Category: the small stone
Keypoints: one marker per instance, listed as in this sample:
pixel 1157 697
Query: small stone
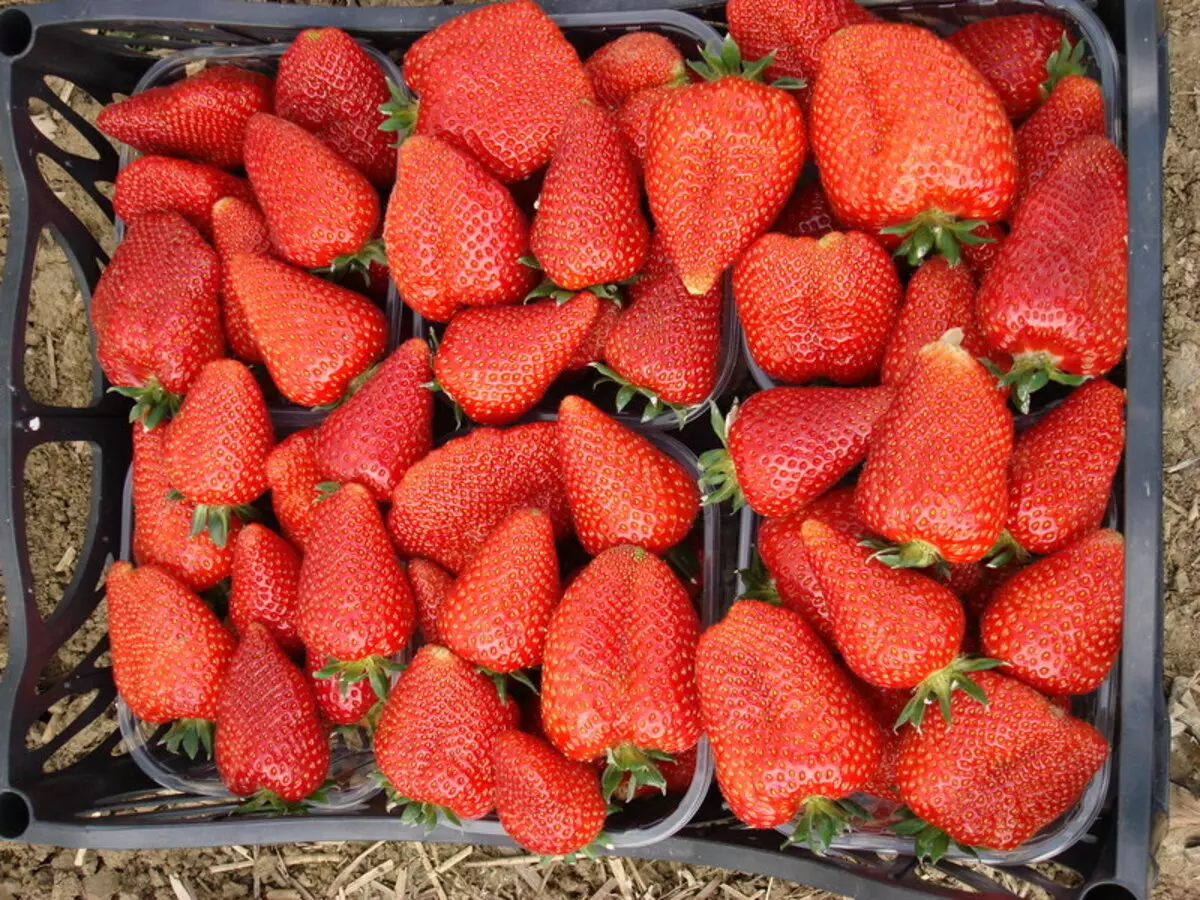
pixel 63 861
pixel 231 890
pixel 102 885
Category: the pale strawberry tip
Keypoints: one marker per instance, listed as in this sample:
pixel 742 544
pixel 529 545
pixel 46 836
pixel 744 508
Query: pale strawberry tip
pixel 188 736
pixel 941 684
pixel 823 820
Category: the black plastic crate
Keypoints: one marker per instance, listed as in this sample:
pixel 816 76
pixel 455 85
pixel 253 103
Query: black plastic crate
pixel 106 802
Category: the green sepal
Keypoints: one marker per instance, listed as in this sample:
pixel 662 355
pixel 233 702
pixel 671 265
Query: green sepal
pixel 718 476
pixel 455 407
pixel 548 288
pixel 216 520
pixel 627 390
pixel 638 764
pixel 500 679
pixel 722 58
pixel 914 554
pixel 376 669
pixel 269 803
pixel 1067 60
pixel 930 843
pixel 1030 373
pixel 592 851
pixel 934 229
pixel 152 403
pixel 789 83
pixel 357 262
pixel 326 489
pixel 822 820
pixel 758 583
pixel 530 261
pixel 414 812
pixel 188 736
pixel 1006 550
pixel 684 561
pixel 400 113
pixel 938 687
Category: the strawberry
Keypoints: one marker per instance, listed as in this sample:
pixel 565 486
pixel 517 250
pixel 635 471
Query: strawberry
pixel 618 685
pixel 807 213
pixel 430 585
pixel 355 607
pixel 817 308
pixel 340 703
pixel 1055 299
pixel 979 257
pixel 447 504
pixel 633 62
pixel 1057 622
pixel 498 363
pixel 320 209
pixel 454 235
pixel 435 738
pixel 314 336
pixel 1075 108
pixel 238 226
pixel 547 803
pixel 163 183
pixel 783 745
pixel 591 348
pixel 622 489
pixel 1011 53
pixel 169 652
pixel 157 325
pixel 589 228
pixel 887 705
pixel 910 139
pixel 263 584
pixel 498 83
pixel 787 446
pixel 331 87
pixel 293 476
pixel 935 480
pixel 1000 774
pixel 203 117
pixel 636 115
pixel 384 427
pixel 270 740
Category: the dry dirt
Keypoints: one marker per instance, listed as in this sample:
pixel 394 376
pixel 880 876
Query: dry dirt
pixel 57 482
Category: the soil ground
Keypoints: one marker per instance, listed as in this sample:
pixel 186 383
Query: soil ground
pixel 57 481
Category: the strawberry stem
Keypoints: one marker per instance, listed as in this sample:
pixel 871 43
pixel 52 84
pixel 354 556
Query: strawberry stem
pixel 758 583
pixel 188 736
pixel 1006 550
pixel 400 112
pixel 357 262
pixel 1030 373
pixel 941 684
pixel 592 850
pixel 718 476
pixel 1066 60
pixel 934 229
pixel 822 820
pixel 914 554
pixel 216 519
pixel 723 59
pixel 627 390
pixel 152 403
pixel 376 669
pixel 640 766
pixel 929 842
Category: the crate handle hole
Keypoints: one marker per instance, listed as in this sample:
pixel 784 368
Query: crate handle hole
pixel 16 32
pixel 1108 890
pixel 15 814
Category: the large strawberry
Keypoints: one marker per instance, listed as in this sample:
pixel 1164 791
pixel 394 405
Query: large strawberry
pixel 238 226
pixel 156 324
pixel 1056 297
pixel 430 586
pixel 203 117
pixel 446 505
pixel 807 212
pixel 935 480
pixel 722 158
pixel 622 489
pixel 817 307
pixel 498 363
pixel 340 703
pixel 263 585
pixel 784 745
pixel 633 62
pixel 294 476
pixel 164 183
pixel 910 138
pixel 1075 108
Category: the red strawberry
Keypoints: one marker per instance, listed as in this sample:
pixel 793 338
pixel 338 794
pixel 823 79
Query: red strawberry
pixel 817 308
pixel 887 705
pixel 315 337
pixel 157 325
pixel 330 86
pixel 979 257
pixel 1056 297
pixel 636 115
pixel 435 737
pixel 340 703
pixel 622 489
pixel 783 745
pixel 238 226
pixel 293 476
pixel 263 584
pixel 497 82
pixel 910 138
pixel 498 363
pixel 807 213
pixel 591 348
pixel 935 480
pixel 430 585
pixel 319 208
pixel 447 504
pixel 1057 622
pixel 454 235
pixel 203 117
pixel 1001 772
pixel 1011 53
pixel 177 185
pixel 384 427
pixel 1062 468
pixel 730 144
pixel 270 740
pixel 787 446
pixel 633 62
pixel 547 803
pixel 1075 108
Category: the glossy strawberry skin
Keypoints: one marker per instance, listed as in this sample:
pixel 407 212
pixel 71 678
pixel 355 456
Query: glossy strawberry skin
pixel 1074 109
pixel 807 213
pixel 636 115
pixel 979 258
pixel 238 226
pixel 817 308
pixel 778 740
pixel 169 650
pixel 631 63
pixel 1011 53
pixel 178 185
pixel 203 117
pixel 336 707
pixel 263 584
pixel 430 585
pixel 591 348
pixel 293 476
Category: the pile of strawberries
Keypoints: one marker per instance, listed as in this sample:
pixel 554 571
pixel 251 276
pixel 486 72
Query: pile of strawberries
pixel 929 590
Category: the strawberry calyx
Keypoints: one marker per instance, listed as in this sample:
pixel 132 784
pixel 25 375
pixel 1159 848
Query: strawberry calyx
pixel 592 850
pixel 941 684
pixel 152 403
pixel 188 736
pixel 1068 59
pixel 718 477
pixel 627 390
pixel 638 764
pixel 358 262
pixel 822 820
pixel 267 802
pixel 1006 550
pixel 215 518
pixel 375 668
pixel 723 59
pixel 930 843
pixel 758 583
pixel 1030 373
pixel 400 112
pixel 914 554
pixel 455 407
pixel 610 290
pixel 936 230
pixel 500 679
pixel 415 812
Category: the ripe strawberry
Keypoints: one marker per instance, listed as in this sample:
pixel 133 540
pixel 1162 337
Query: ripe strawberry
pixel 355 607
pixel 498 363
pixel 910 139
pixel 633 62
pixel 293 476
pixel 331 87
pixel 454 235
pixel 1011 53
pixel 591 348
pixel 887 705
pixel 935 480
pixel 314 336
pixel 263 584
pixel 636 115
pixel 270 740
pixel 169 652
pixel 175 185
pixel 1001 773
pixel 157 325
pixel 787 446
pixel 319 208
pixel 817 308
pixel 979 257
pixel 430 585
pixel 447 504
pixel 1056 297
pixel 783 745
pixel 384 427
pixel 622 489
pixel 238 226
pixel 340 703
pixel 435 738
pixel 547 803
pixel 203 117
pixel 498 83
pixel 1075 108
pixel 807 213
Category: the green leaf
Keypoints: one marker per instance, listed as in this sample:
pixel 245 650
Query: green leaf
pixel 379 683
pixel 624 395
pixel 218 526
pixel 530 260
pixel 199 520
pixel 788 83
pixel 521 677
pixel 610 781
